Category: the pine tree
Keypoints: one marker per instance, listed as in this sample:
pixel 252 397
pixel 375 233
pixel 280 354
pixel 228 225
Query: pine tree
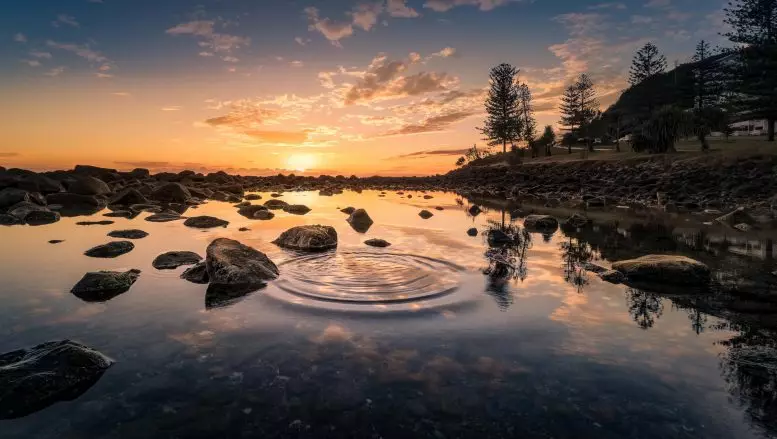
pixel 754 24
pixel 547 139
pixel 648 61
pixel 503 124
pixel 589 105
pixel 579 107
pixel 570 104
pixel 529 124
pixel 706 83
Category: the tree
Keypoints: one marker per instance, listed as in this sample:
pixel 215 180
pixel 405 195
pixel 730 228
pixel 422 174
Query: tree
pixel 705 87
pixel 503 124
pixel 547 140
pixel 754 28
pixel 647 62
pixel 528 123
pixel 569 112
pixel 579 107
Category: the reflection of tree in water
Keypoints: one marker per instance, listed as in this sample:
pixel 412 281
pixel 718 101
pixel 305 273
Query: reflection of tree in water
pixel 749 367
pixel 506 261
pixel 575 254
pixel 698 319
pixel 645 308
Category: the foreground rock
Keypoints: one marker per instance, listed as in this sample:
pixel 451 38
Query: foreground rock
pixel 296 209
pixel 171 193
pixel 33 379
pixel 251 210
pixel 100 286
pixel 205 222
pixel 197 273
pixel 425 214
pixel 360 220
pixel 87 185
pixel 231 263
pixel 613 276
pixel 375 242
pixel 541 222
pixel 128 234
pixel 110 250
pixel 75 204
pixel 252 197
pixel 668 269
pixel 41 217
pixel 472 232
pixel 308 238
pixel 175 259
pixel 128 197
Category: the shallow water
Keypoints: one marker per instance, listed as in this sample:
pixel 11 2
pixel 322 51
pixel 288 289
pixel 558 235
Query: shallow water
pixel 436 336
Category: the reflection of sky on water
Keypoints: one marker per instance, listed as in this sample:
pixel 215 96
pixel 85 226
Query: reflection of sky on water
pixel 542 355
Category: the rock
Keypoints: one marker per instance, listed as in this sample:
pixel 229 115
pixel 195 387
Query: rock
pixel 577 221
pixel 231 263
pixel 101 286
pixel 594 203
pixel 121 214
pixel 171 193
pixel 613 276
pixel 8 220
pixel 175 259
pixel 163 217
pixel 736 217
pixel 56 241
pixel 11 196
pixel 472 232
pixel 264 215
pixel 21 210
pixel 94 223
pixel 296 209
pixel 197 273
pixel 325 193
pixel 594 268
pixel 439 208
pixel 243 229
pixel 360 220
pixel 348 210
pixel 128 234
pixel 205 222
pixel 743 227
pixel 39 183
pixel 428 197
pixel 128 197
pixel 540 222
pixel 145 207
pixel 251 210
pixel 425 214
pixel 275 204
pixel 243 204
pixel 498 238
pixel 308 238
pixel 474 210
pixel 377 242
pixel 88 185
pixel 110 250
pixel 33 379
pixel 75 204
pixel 275 195
pixel 225 196
pixel 41 217
pixel 669 269
pixel 252 197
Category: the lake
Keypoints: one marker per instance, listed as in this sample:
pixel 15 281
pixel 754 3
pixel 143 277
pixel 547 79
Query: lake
pixel 436 336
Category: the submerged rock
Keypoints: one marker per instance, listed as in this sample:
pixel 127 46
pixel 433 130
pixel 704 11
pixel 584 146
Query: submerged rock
pixel 308 238
pixel 243 229
pixel 669 269
pixel 375 242
pixel 472 232
pixel 94 223
pixel 360 220
pixel 205 222
pixel 348 210
pixel 252 197
pixel 541 222
pixel 56 241
pixel 163 217
pixel 110 250
pixel 425 214
pixel 100 286
pixel 175 259
pixel 231 263
pixel 121 214
pixel 197 273
pixel 474 210
pixel 41 217
pixel 35 378
pixel 263 215
pixel 275 204
pixel 75 204
pixel 428 197
pixel 296 209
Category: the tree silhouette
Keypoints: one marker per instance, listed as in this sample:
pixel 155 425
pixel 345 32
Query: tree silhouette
pixel 647 62
pixel 579 107
pixel 503 124
pixel 529 124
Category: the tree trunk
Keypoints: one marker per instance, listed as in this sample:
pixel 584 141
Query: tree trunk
pixel 705 146
pixel 770 130
pixel 504 146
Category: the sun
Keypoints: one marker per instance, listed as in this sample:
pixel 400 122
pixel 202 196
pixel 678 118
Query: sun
pixel 301 162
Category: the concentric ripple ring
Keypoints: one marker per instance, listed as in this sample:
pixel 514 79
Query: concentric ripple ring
pixel 371 278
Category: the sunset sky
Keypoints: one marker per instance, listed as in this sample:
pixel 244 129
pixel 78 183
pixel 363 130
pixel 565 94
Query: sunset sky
pixel 260 87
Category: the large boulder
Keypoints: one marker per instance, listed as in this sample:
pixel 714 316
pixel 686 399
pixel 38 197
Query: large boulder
pixel 34 182
pixel 231 263
pixel 308 238
pixel 100 286
pixel 668 269
pixel 175 259
pixel 736 217
pixel 21 210
pixel 128 197
pixel 87 185
pixel 197 273
pixel 171 193
pixel 360 220
pixel 11 195
pixel 35 378
pixel 205 222
pixel 110 250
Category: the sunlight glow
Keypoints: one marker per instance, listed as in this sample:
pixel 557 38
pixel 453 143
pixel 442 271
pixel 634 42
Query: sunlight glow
pixel 301 162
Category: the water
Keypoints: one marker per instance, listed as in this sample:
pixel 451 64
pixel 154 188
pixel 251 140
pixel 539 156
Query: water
pixel 436 336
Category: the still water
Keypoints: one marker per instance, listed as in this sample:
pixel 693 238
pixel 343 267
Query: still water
pixel 435 336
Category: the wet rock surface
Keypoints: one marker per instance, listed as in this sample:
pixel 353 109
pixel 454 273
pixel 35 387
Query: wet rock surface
pixel 541 222
pixel 668 269
pixel 197 273
pixel 360 220
pixel 308 238
pixel 377 242
pixel 35 378
pixel 101 286
pixel 425 214
pixel 205 222
pixel 231 263
pixel 128 234
pixel 296 209
pixel 174 259
pixel 110 250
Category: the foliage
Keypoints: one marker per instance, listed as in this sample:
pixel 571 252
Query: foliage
pixel 503 124
pixel 472 155
pixel 579 106
pixel 547 140
pixel 647 62
pixel 529 124
pixel 664 128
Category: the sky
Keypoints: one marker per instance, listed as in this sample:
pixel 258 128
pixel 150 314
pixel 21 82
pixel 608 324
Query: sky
pixel 261 87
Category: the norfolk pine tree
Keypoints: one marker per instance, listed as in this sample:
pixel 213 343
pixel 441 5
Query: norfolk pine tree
pixel 503 124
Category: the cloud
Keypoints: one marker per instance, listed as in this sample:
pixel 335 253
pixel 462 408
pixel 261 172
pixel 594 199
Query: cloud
pixel 430 125
pixel 230 59
pixel 283 137
pixel 421 154
pixel 9 154
pixel 31 62
pixel 613 5
pixel 483 5
pixel 444 53
pixel 20 38
pixel 65 19
pixel 210 39
pixel 302 41
pixel 399 9
pixel 121 93
pixel 55 71
pixel 39 54
pixel 331 30
pixel 243 115
pixel 103 75
pixel 297 64
pixel 85 52
pixel 172 108
pixel 658 3
pixel 366 15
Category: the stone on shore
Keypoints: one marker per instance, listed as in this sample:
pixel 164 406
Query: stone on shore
pixel 275 204
pixel 197 273
pixel 163 217
pixel 308 238
pixel 171 193
pixel 175 259
pixel 128 197
pixel 263 215
pixel 128 234
pixel 425 214
pixel 348 210
pixel 376 242
pixel 252 197
pixel 296 209
pixel 205 222
pixel 251 210
pixel 472 232
pixel 231 263
pixel 613 276
pixel 668 269
pixel 94 223
pixel 41 217
pixel 100 286
pixel 87 185
pixel 110 250
pixel 360 220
